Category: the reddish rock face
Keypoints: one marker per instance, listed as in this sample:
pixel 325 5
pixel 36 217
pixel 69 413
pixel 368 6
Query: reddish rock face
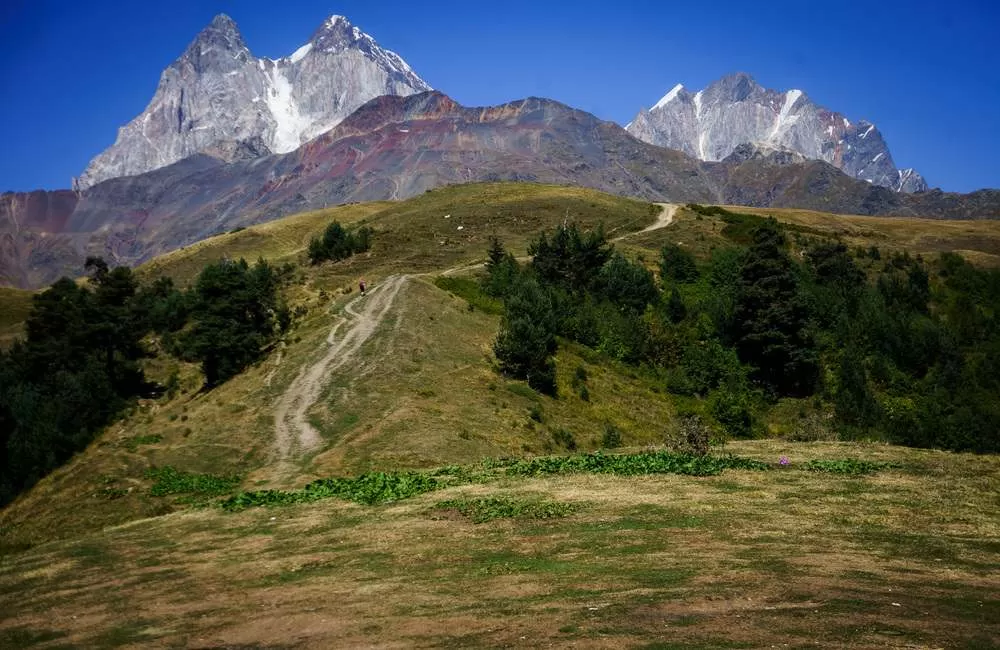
pixel 32 243
pixel 45 211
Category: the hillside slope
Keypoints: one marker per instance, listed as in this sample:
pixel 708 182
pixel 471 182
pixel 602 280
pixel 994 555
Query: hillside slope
pixel 404 413
pixel 403 379
pixel 232 429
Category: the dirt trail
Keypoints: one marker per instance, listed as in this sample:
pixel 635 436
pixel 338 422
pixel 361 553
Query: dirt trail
pixel 665 218
pixel 362 315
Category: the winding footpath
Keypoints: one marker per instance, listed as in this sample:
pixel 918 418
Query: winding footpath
pixel 362 315
pixel 294 435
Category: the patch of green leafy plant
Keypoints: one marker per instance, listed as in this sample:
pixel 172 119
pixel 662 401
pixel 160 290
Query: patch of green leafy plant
pixel 649 462
pixel 849 466
pixel 482 509
pixel 383 487
pixel 369 489
pixel 169 480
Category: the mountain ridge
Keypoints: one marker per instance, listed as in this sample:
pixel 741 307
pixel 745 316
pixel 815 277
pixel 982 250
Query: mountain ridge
pixel 394 147
pixel 734 110
pixel 217 93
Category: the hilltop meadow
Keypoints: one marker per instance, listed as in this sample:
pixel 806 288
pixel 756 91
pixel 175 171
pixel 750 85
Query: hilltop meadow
pixel 556 417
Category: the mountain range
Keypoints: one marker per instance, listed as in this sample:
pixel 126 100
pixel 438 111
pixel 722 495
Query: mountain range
pixel 205 157
pixel 711 123
pixel 218 95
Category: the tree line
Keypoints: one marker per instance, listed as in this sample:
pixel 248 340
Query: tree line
pixel 896 347
pixel 79 365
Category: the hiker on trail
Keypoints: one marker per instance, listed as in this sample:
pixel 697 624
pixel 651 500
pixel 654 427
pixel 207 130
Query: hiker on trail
pixel 361 285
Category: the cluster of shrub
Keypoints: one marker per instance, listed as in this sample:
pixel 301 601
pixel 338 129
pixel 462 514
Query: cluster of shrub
pixel 904 349
pixel 79 365
pixel 337 243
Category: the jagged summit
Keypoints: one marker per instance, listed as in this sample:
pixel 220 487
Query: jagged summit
pixel 217 94
pixel 735 110
pixel 219 45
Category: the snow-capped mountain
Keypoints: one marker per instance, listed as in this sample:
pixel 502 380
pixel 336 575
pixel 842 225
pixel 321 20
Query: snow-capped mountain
pixel 219 98
pixel 711 123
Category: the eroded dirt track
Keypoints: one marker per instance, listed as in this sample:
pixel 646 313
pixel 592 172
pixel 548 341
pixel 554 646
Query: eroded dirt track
pixel 294 434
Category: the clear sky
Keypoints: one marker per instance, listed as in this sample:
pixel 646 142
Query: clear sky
pixel 926 73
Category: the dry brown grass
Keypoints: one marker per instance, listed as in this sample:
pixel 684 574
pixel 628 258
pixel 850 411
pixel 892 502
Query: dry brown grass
pixel 744 559
pixel 977 240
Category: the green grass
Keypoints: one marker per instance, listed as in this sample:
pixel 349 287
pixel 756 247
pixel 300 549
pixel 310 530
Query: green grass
pixel 468 289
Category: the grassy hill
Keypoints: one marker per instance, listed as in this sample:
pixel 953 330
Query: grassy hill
pixel 735 560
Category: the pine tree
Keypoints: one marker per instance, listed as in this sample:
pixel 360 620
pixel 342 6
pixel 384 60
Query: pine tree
pixel 853 401
pixel 502 270
pixel 627 284
pixel 771 318
pixel 526 339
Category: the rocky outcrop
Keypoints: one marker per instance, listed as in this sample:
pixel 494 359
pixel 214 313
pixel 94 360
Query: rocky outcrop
pixel 712 123
pixel 218 95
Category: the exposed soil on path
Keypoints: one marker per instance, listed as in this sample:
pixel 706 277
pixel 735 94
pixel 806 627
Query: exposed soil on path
pixel 664 219
pixel 293 433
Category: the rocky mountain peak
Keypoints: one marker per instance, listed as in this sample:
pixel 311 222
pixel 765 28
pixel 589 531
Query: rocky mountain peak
pixel 735 87
pixel 218 93
pixel 336 30
pixel 218 46
pixel 713 123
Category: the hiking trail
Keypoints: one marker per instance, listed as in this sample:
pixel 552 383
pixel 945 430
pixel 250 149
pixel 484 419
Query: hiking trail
pixel 293 432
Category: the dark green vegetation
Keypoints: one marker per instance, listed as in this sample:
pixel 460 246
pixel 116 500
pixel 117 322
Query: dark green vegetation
pixel 903 349
pixel 80 363
pixel 337 244
pixel 382 487
pixel 235 311
pixel 169 480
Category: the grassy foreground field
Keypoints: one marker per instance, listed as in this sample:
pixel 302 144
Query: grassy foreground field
pixel 745 559
pixel 94 556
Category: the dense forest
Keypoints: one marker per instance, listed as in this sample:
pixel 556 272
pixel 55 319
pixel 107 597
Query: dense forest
pixel 80 364
pixel 902 349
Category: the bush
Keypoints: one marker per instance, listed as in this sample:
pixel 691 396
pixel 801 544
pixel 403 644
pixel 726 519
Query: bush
pixel 612 438
pixel 564 438
pixel 626 284
pixel 732 408
pixel 677 265
pixel 338 244
pixel 695 434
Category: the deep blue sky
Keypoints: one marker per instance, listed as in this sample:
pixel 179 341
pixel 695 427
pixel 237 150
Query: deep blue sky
pixel 927 73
